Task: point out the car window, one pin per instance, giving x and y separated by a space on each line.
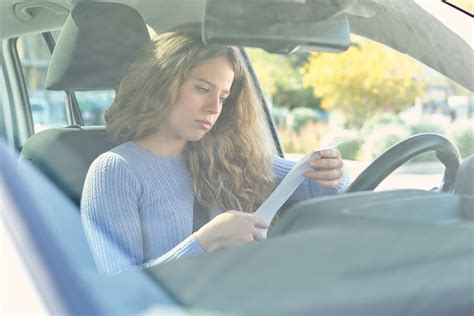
320 100
93 105
3 130
48 107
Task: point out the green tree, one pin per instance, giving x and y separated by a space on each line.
367 79
274 71
282 80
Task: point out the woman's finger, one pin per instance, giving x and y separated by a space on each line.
328 184
326 163
329 153
258 235
325 175
260 222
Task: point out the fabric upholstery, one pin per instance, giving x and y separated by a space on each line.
464 184
97 45
65 154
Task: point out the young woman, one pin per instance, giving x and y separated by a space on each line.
191 127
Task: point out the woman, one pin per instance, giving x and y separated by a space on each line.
191 127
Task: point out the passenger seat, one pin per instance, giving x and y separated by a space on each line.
97 45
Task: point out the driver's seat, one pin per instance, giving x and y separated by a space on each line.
464 184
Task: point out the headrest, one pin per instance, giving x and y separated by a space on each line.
97 45
464 184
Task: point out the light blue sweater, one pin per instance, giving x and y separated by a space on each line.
137 208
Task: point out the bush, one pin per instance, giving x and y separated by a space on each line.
286 140
299 117
293 98
461 133
377 143
279 115
425 127
350 148
346 141
307 140
380 121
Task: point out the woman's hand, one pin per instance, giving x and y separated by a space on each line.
328 169
231 228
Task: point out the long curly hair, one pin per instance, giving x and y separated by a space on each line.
231 165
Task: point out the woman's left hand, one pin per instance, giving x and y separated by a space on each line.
328 169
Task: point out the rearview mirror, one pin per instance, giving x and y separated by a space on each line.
278 26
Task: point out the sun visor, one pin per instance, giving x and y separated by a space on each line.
278 26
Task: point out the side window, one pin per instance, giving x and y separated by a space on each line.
93 105
48 107
3 130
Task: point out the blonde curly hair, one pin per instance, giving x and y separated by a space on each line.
231 166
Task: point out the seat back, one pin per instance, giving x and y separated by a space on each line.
65 154
464 183
97 45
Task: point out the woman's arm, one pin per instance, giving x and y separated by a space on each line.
111 221
109 211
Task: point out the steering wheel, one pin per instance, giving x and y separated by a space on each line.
405 150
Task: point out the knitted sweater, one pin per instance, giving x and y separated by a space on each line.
137 208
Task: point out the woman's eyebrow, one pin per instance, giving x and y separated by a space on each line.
211 84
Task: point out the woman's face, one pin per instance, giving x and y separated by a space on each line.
199 101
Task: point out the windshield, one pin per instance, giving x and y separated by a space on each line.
148 157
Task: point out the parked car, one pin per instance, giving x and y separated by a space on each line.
400 252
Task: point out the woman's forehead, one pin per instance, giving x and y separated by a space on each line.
217 72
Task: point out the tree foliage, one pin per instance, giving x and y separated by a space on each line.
282 80
367 79
274 71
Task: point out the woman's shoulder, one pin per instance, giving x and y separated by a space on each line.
117 158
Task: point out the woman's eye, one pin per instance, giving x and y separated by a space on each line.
202 89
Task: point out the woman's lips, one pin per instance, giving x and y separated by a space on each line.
204 124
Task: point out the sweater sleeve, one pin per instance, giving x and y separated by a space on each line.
309 188
109 211
111 219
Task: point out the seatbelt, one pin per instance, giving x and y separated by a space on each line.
200 215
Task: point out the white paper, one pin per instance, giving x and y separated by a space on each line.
285 189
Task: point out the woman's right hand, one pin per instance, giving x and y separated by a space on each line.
230 228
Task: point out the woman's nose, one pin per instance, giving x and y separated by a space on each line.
213 105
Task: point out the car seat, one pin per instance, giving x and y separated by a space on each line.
95 48
464 183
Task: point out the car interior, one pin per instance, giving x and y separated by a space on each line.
393 252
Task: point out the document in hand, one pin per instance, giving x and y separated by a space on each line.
285 189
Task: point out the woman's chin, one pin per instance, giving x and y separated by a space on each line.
196 138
